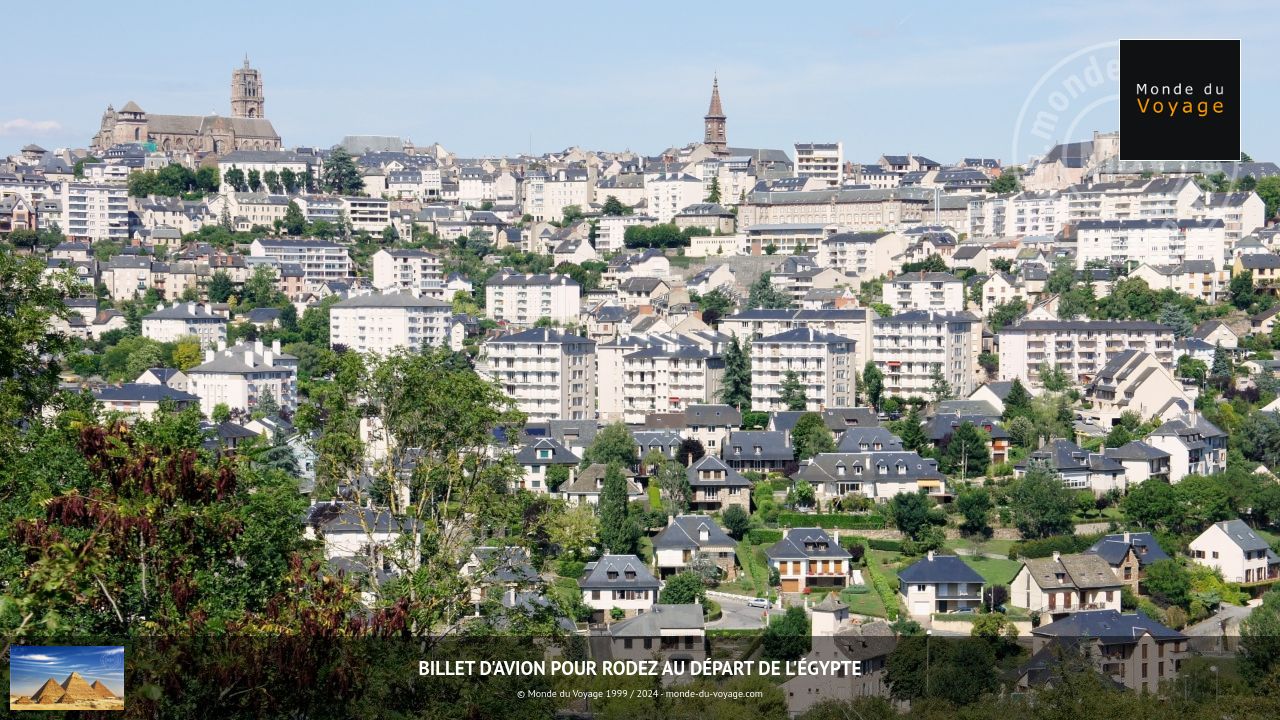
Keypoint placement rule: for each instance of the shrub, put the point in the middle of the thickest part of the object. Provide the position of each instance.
(570, 568)
(885, 545)
(764, 536)
(1045, 547)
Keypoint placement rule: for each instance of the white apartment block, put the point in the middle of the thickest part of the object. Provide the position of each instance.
(848, 209)
(367, 213)
(613, 402)
(862, 254)
(1241, 213)
(1157, 199)
(909, 348)
(933, 291)
(522, 299)
(321, 208)
(1159, 242)
(546, 195)
(822, 362)
(666, 194)
(320, 260)
(169, 324)
(95, 211)
(669, 375)
(413, 271)
(611, 230)
(1018, 214)
(550, 374)
(1080, 348)
(385, 323)
(242, 377)
(824, 161)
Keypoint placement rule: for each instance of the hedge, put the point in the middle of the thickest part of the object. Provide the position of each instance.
(1045, 547)
(888, 595)
(764, 536)
(885, 545)
(570, 568)
(831, 522)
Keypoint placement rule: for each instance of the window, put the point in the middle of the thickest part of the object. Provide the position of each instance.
(921, 588)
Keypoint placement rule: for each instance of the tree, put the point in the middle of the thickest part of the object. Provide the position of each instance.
(713, 194)
(1023, 433)
(613, 444)
(570, 214)
(1006, 183)
(872, 384)
(1152, 504)
(684, 588)
(1192, 369)
(619, 533)
(340, 174)
(690, 451)
(810, 436)
(236, 179)
(221, 413)
(714, 305)
(792, 393)
(966, 452)
(254, 180)
(939, 387)
(557, 475)
(260, 289)
(187, 354)
(1041, 504)
(289, 181)
(1173, 316)
(1241, 287)
(787, 637)
(912, 432)
(673, 480)
(1053, 378)
(1268, 188)
(1221, 367)
(910, 513)
(735, 384)
(271, 179)
(1018, 402)
(574, 530)
(764, 295)
(736, 521)
(1168, 581)
(975, 506)
(989, 362)
(29, 346)
(295, 223)
(705, 568)
(1006, 314)
(1260, 641)
(1258, 438)
(614, 206)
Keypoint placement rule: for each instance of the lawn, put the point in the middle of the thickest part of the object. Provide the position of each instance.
(655, 497)
(1111, 513)
(753, 573)
(995, 546)
(995, 571)
(864, 603)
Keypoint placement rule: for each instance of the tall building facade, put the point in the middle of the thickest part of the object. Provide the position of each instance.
(714, 123)
(247, 100)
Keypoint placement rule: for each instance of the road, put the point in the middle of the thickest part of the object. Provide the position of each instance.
(1207, 636)
(735, 615)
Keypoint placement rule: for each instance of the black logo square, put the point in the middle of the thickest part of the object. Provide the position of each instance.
(1180, 100)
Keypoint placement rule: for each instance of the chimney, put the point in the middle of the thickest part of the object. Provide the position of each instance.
(1057, 556)
(835, 536)
(191, 308)
(248, 358)
(930, 554)
(257, 346)
(275, 346)
(208, 356)
(222, 345)
(1126, 537)
(159, 306)
(268, 358)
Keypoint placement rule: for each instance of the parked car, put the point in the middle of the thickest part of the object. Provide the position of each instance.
(762, 603)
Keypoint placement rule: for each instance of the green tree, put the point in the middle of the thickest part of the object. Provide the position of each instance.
(1221, 367)
(1041, 504)
(1006, 183)
(236, 179)
(736, 521)
(1006, 314)
(260, 289)
(289, 181)
(714, 305)
(792, 393)
(619, 533)
(810, 436)
(271, 179)
(613, 444)
(1173, 316)
(574, 530)
(764, 295)
(787, 637)
(254, 180)
(1152, 504)
(614, 206)
(801, 494)
(1258, 438)
(912, 432)
(187, 354)
(975, 507)
(221, 413)
(1169, 582)
(939, 388)
(340, 175)
(966, 452)
(735, 384)
(1268, 188)
(295, 223)
(713, 194)
(673, 480)
(684, 588)
(910, 513)
(872, 384)
(1241, 288)
(1023, 433)
(1260, 642)
(1018, 402)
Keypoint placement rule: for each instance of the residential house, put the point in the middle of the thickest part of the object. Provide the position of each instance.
(1195, 446)
(1078, 468)
(169, 377)
(687, 536)
(141, 399)
(588, 486)
(1133, 381)
(1130, 650)
(762, 451)
(618, 581)
(1065, 583)
(941, 426)
(712, 424)
(1235, 550)
(673, 634)
(874, 475)
(1141, 462)
(716, 486)
(939, 584)
(1129, 554)
(504, 572)
(364, 539)
(538, 457)
(809, 558)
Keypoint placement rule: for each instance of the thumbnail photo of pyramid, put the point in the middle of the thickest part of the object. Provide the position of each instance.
(93, 677)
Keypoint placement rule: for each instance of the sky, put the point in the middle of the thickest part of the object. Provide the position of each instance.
(31, 665)
(940, 79)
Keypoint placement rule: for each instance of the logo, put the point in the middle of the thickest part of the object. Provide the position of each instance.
(1180, 100)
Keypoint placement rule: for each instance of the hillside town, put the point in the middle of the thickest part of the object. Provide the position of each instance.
(711, 402)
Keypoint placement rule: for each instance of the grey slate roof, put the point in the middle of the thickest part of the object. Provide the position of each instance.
(395, 299)
(1109, 625)
(658, 618)
(560, 455)
(713, 415)
(1113, 548)
(1081, 571)
(684, 531)
(865, 439)
(629, 571)
(939, 569)
(741, 445)
(142, 392)
(803, 543)
(732, 478)
(1242, 535)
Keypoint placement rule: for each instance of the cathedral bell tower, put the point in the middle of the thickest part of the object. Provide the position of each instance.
(246, 92)
(714, 123)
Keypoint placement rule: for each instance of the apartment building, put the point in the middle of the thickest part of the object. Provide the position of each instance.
(412, 271)
(1080, 348)
(1153, 199)
(190, 319)
(932, 291)
(822, 362)
(320, 260)
(550, 374)
(1199, 279)
(95, 211)
(853, 323)
(911, 348)
(824, 161)
(1160, 242)
(523, 299)
(611, 230)
(1195, 446)
(849, 209)
(862, 254)
(1130, 649)
(1133, 381)
(546, 195)
(669, 375)
(370, 214)
(666, 194)
(1017, 214)
(384, 323)
(243, 376)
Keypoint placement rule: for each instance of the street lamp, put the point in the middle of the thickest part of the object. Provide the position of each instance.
(927, 634)
(1216, 684)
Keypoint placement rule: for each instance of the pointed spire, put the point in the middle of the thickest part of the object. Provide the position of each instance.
(246, 61)
(715, 110)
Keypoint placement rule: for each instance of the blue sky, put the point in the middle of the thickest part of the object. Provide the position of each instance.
(946, 80)
(31, 665)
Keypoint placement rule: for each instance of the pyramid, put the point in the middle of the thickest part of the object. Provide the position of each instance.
(50, 692)
(77, 690)
(102, 690)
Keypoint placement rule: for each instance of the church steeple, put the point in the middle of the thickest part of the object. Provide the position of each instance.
(247, 100)
(714, 122)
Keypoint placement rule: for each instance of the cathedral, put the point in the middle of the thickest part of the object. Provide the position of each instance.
(246, 129)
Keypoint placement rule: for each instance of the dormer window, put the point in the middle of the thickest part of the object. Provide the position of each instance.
(544, 454)
(857, 469)
(631, 574)
(757, 449)
(902, 469)
(840, 469)
(881, 469)
(613, 574)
